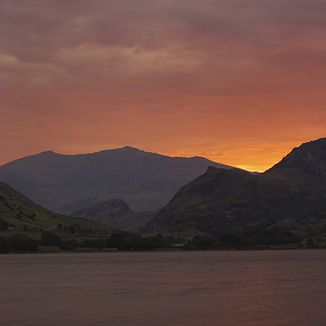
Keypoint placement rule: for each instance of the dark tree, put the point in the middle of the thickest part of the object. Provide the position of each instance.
(203, 242)
(3, 224)
(69, 245)
(4, 248)
(72, 230)
(19, 242)
(310, 242)
(49, 239)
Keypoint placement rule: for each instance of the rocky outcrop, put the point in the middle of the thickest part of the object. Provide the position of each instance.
(309, 158)
(106, 211)
(115, 212)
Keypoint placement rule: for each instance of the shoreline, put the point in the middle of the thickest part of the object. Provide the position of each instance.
(112, 250)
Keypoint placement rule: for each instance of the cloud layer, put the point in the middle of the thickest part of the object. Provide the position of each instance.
(238, 81)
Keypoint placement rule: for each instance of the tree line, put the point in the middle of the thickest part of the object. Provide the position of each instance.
(132, 241)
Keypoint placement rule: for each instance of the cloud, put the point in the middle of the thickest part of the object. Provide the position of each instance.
(128, 61)
(179, 75)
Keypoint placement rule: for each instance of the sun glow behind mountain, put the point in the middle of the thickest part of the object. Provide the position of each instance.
(238, 82)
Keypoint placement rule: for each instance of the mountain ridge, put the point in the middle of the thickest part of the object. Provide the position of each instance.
(65, 183)
(291, 196)
(309, 157)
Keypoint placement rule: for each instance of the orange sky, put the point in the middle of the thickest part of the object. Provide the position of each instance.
(240, 82)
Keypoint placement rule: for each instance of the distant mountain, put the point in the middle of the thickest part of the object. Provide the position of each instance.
(115, 212)
(66, 183)
(105, 211)
(291, 196)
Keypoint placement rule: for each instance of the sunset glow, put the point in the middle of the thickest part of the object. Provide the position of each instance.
(239, 82)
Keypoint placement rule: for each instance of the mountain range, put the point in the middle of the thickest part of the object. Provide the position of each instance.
(291, 196)
(66, 183)
(285, 204)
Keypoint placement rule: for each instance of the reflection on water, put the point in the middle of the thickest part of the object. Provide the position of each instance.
(164, 288)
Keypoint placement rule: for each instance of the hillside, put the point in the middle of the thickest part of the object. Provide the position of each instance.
(18, 214)
(291, 196)
(66, 183)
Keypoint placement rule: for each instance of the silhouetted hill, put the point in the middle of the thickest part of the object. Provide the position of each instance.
(291, 197)
(65, 183)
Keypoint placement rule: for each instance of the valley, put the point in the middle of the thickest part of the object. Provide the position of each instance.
(221, 208)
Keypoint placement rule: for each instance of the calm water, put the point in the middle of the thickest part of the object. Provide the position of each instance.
(164, 288)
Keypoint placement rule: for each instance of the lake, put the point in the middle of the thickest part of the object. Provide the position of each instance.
(272, 287)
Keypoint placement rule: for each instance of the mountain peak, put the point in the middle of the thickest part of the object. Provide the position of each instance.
(130, 148)
(309, 158)
(47, 153)
(107, 211)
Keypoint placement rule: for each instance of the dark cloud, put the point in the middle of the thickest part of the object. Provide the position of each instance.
(30, 27)
(185, 71)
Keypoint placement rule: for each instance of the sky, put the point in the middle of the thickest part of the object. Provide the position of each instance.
(240, 82)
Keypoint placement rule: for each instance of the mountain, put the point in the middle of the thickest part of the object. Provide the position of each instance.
(291, 196)
(66, 183)
(115, 212)
(309, 158)
(105, 211)
(20, 214)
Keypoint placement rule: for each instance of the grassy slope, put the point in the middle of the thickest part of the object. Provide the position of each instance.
(19, 211)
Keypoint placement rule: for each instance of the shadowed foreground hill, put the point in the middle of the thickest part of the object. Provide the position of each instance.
(65, 183)
(20, 214)
(291, 196)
